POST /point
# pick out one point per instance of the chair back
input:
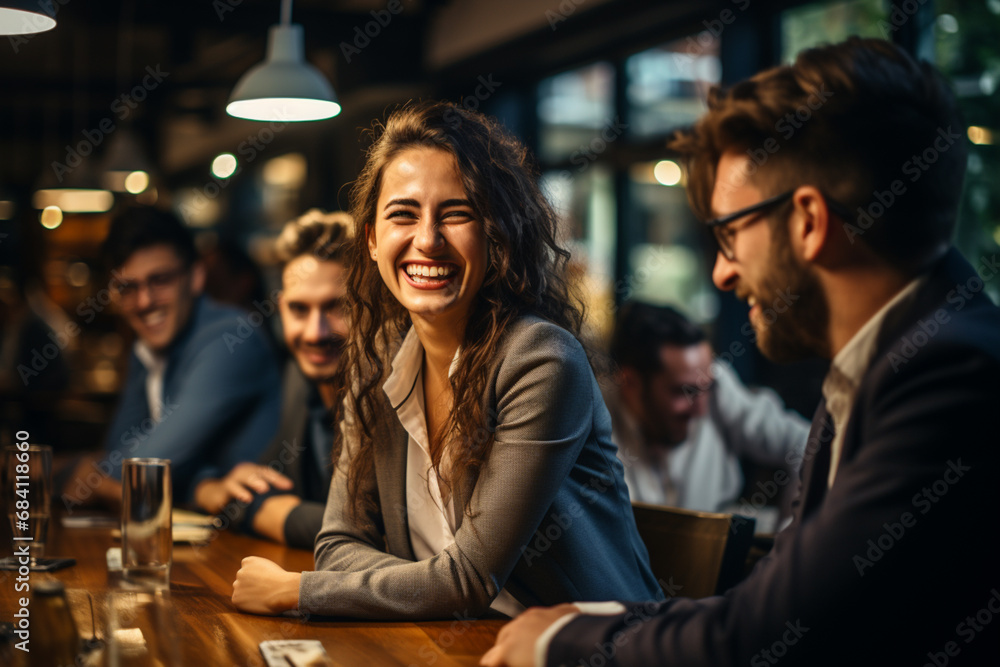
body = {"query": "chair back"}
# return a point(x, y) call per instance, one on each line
point(702, 552)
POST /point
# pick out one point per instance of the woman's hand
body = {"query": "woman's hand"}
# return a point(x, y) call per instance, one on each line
point(245, 479)
point(264, 587)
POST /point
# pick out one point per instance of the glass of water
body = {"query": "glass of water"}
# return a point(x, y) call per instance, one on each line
point(28, 495)
point(147, 542)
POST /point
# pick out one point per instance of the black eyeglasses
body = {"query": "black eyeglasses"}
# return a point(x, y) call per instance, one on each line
point(726, 237)
point(157, 284)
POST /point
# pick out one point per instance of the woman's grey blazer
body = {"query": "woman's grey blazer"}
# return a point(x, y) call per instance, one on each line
point(551, 515)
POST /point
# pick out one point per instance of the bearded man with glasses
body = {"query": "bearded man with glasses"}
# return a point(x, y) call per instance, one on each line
point(202, 388)
point(887, 560)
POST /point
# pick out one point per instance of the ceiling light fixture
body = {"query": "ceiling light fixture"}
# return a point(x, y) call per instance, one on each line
point(26, 17)
point(284, 87)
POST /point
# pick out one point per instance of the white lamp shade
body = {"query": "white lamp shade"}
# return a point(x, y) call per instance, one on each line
point(284, 87)
point(25, 17)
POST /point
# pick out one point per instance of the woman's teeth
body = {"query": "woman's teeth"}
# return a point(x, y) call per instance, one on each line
point(416, 271)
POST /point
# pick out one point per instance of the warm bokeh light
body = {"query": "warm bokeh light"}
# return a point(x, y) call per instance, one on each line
point(73, 200)
point(667, 172)
point(78, 274)
point(136, 182)
point(286, 170)
point(6, 210)
point(224, 165)
point(51, 217)
point(104, 377)
point(197, 208)
point(980, 135)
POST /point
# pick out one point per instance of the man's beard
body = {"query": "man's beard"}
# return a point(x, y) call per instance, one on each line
point(802, 330)
point(332, 345)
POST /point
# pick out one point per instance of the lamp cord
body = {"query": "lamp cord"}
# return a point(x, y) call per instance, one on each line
point(286, 12)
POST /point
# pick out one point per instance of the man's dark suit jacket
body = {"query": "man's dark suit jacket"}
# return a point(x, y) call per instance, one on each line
point(290, 453)
point(895, 564)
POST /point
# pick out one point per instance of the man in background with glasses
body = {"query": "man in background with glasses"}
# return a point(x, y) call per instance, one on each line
point(202, 387)
point(891, 558)
point(685, 424)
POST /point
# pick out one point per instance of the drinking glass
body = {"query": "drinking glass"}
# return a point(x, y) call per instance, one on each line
point(28, 494)
point(147, 543)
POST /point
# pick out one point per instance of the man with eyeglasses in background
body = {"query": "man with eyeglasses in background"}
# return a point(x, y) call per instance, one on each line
point(891, 558)
point(685, 424)
point(202, 387)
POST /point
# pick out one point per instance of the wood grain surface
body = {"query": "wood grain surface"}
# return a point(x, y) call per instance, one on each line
point(198, 625)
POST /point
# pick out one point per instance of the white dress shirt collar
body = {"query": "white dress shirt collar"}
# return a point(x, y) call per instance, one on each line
point(849, 366)
point(156, 367)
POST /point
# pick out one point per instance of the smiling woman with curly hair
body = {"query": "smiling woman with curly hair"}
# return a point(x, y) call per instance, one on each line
point(476, 468)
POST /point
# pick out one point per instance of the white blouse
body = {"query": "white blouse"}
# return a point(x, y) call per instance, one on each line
point(431, 521)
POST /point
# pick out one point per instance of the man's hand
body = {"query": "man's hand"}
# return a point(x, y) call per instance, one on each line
point(245, 479)
point(515, 645)
point(264, 587)
point(269, 520)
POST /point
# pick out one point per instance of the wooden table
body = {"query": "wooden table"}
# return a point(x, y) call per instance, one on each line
point(206, 629)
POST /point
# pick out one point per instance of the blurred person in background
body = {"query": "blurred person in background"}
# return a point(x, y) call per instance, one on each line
point(202, 387)
point(37, 345)
point(283, 495)
point(33, 339)
point(683, 421)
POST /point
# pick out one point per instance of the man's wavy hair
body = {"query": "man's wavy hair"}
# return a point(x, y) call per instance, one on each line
point(850, 119)
point(525, 274)
point(323, 235)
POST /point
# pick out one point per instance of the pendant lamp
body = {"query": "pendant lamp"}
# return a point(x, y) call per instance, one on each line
point(24, 17)
point(284, 87)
